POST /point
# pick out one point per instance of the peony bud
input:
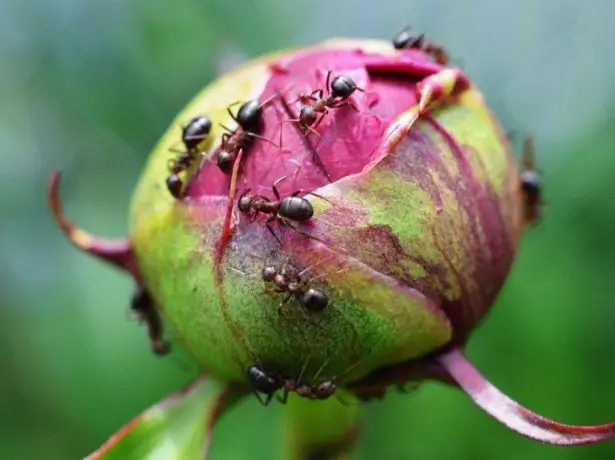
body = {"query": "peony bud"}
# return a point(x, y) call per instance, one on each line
point(341, 216)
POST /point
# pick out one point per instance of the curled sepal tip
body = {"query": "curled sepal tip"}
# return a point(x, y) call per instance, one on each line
point(179, 426)
point(117, 252)
point(513, 415)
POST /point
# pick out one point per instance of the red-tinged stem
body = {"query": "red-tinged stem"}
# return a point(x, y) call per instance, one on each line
point(514, 416)
point(117, 252)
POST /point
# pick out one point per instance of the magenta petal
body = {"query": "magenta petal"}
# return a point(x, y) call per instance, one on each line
point(514, 416)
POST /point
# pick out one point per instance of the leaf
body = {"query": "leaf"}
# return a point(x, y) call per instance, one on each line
point(515, 416)
point(178, 427)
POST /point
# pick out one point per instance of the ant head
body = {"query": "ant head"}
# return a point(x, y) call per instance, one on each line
point(406, 40)
point(196, 131)
point(315, 300)
point(308, 115)
point(174, 184)
point(530, 182)
point(325, 389)
point(280, 281)
point(244, 205)
point(225, 161)
point(294, 287)
point(400, 41)
point(249, 115)
point(161, 347)
point(261, 381)
point(287, 270)
point(343, 86)
point(269, 273)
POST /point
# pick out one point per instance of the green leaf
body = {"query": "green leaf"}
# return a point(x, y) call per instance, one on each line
point(178, 427)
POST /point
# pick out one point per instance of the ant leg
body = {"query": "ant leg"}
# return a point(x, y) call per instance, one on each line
point(274, 187)
point(230, 131)
point(284, 398)
point(288, 297)
point(260, 399)
point(306, 97)
point(307, 192)
point(176, 150)
point(263, 138)
point(244, 194)
point(268, 225)
point(271, 99)
point(345, 401)
point(293, 120)
point(228, 109)
point(307, 235)
point(315, 125)
point(340, 104)
point(327, 80)
point(312, 130)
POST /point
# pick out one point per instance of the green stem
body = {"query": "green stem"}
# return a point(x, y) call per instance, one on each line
point(321, 430)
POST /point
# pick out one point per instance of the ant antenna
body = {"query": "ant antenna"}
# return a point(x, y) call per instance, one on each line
point(303, 368)
point(322, 367)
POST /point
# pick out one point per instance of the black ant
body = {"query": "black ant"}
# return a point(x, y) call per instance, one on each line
point(531, 185)
point(288, 281)
point(249, 121)
point(316, 106)
point(193, 134)
point(406, 40)
point(292, 208)
point(262, 382)
point(142, 305)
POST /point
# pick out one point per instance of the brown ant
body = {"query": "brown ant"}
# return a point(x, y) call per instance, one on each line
point(249, 124)
point(142, 305)
point(316, 106)
point(530, 183)
point(268, 384)
point(286, 280)
point(193, 134)
point(406, 40)
point(289, 209)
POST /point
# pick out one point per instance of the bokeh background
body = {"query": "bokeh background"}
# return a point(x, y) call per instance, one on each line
point(88, 87)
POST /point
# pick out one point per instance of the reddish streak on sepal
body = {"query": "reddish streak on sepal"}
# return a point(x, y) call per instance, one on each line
point(514, 416)
point(227, 229)
point(117, 252)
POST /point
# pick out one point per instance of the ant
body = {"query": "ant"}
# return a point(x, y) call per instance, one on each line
point(193, 134)
point(142, 305)
point(249, 121)
point(286, 280)
point(261, 381)
point(406, 40)
point(530, 183)
point(291, 208)
point(322, 390)
point(316, 106)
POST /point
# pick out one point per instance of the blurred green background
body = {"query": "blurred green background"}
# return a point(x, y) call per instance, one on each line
point(88, 87)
